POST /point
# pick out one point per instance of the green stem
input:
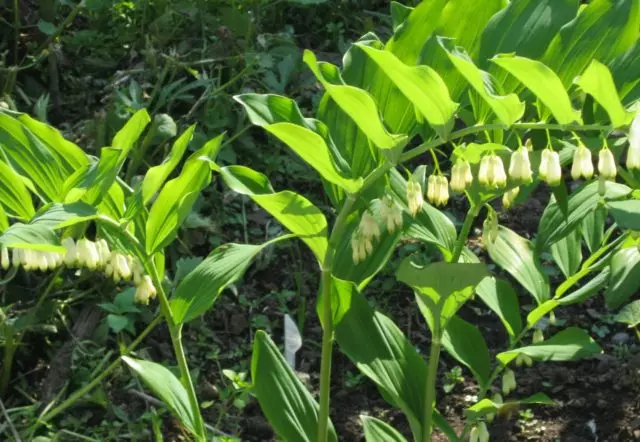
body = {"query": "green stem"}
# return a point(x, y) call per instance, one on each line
point(96, 381)
point(464, 232)
point(430, 388)
point(327, 317)
point(175, 332)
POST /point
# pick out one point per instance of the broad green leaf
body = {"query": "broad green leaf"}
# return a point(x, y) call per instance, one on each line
point(399, 13)
point(592, 227)
point(421, 85)
point(444, 287)
point(408, 40)
point(624, 280)
point(525, 27)
point(167, 387)
point(197, 292)
point(376, 430)
point(466, 344)
point(281, 117)
point(626, 73)
point(597, 81)
point(293, 211)
point(125, 138)
point(177, 197)
point(626, 213)
point(603, 30)
point(92, 183)
point(14, 195)
point(157, 175)
point(340, 300)
point(630, 314)
point(31, 236)
point(588, 290)
point(515, 255)
point(31, 157)
point(286, 403)
point(57, 216)
point(389, 360)
point(568, 345)
point(357, 103)
point(554, 226)
point(544, 84)
point(508, 109)
point(500, 297)
point(540, 311)
point(567, 253)
point(487, 406)
point(4, 221)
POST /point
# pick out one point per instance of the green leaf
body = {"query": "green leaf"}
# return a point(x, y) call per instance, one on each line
point(197, 292)
point(603, 30)
point(626, 73)
point(630, 314)
point(626, 213)
point(554, 225)
point(293, 211)
point(592, 227)
point(567, 253)
point(508, 109)
point(421, 85)
point(340, 300)
point(286, 403)
point(487, 406)
point(46, 27)
point(597, 81)
point(500, 297)
point(540, 311)
point(357, 103)
point(568, 345)
point(157, 175)
point(399, 14)
point(167, 387)
point(625, 277)
point(515, 255)
point(465, 343)
point(407, 41)
point(57, 216)
point(125, 138)
point(376, 430)
point(588, 290)
point(308, 138)
point(544, 83)
point(14, 195)
point(117, 323)
point(525, 27)
point(177, 197)
point(31, 236)
point(444, 287)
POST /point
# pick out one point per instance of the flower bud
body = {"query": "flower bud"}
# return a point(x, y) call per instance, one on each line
point(71, 256)
point(520, 166)
point(607, 164)
point(461, 176)
point(538, 336)
point(369, 226)
point(523, 359)
point(442, 191)
point(414, 197)
point(432, 185)
point(508, 381)
point(550, 170)
point(391, 214)
point(145, 290)
point(509, 197)
point(4, 258)
point(582, 163)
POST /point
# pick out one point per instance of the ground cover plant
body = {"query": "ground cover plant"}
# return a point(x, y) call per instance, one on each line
point(481, 106)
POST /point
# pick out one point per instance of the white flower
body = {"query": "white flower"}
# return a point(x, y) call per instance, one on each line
point(71, 256)
point(87, 253)
point(491, 173)
point(414, 197)
point(369, 226)
point(137, 270)
point(461, 176)
point(390, 214)
point(53, 259)
point(18, 257)
point(538, 336)
point(4, 258)
point(120, 268)
point(42, 261)
point(633, 155)
point(607, 164)
point(508, 381)
point(550, 170)
point(438, 190)
point(520, 166)
point(582, 163)
point(103, 252)
point(145, 290)
point(509, 197)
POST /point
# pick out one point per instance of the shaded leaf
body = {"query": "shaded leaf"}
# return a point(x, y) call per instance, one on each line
point(625, 276)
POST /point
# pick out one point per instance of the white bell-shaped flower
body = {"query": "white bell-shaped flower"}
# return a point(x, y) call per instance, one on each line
point(461, 176)
point(550, 169)
point(509, 197)
point(145, 290)
point(390, 214)
point(368, 226)
point(582, 166)
point(607, 164)
point(18, 257)
point(137, 271)
point(71, 255)
point(492, 173)
point(520, 166)
point(103, 252)
point(508, 381)
point(5, 261)
point(414, 197)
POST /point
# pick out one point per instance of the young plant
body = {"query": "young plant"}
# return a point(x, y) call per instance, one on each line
point(67, 213)
point(561, 85)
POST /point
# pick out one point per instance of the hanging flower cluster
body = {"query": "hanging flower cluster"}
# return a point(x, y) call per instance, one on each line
point(85, 254)
point(438, 190)
point(369, 230)
point(461, 176)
